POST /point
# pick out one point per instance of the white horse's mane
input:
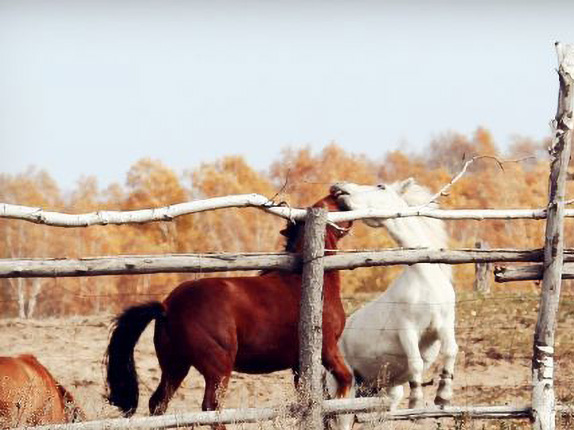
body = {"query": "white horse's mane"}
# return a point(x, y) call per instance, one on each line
point(415, 194)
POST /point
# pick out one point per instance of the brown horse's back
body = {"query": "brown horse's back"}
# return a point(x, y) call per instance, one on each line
point(242, 319)
point(238, 320)
point(29, 395)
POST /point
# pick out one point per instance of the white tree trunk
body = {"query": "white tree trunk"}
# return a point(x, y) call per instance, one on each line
point(34, 292)
point(21, 294)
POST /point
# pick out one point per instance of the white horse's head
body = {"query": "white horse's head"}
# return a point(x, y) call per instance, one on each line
point(381, 196)
point(418, 231)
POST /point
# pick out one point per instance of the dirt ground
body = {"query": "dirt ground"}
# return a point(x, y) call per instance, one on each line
point(493, 367)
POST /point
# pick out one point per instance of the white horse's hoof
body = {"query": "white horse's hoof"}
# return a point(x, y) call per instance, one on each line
point(441, 402)
point(416, 403)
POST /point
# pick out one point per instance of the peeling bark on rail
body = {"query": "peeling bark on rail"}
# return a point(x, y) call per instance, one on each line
point(144, 264)
point(470, 412)
point(414, 256)
point(168, 213)
point(207, 263)
point(528, 273)
point(362, 406)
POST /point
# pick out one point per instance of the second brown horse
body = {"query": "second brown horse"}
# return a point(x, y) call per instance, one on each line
point(217, 325)
point(30, 396)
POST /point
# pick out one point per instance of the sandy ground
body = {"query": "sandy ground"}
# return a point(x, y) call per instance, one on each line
point(73, 348)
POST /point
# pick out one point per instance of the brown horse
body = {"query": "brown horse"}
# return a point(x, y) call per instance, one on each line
point(29, 395)
point(217, 325)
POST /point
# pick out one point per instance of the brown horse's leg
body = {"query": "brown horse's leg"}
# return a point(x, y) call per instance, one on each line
point(171, 378)
point(215, 388)
point(296, 377)
point(334, 363)
point(215, 364)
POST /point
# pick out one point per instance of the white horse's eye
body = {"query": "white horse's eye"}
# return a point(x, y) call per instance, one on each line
point(381, 186)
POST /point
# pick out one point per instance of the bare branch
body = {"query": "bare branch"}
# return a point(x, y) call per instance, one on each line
point(456, 178)
point(281, 190)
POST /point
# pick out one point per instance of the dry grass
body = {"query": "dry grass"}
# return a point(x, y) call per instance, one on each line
point(494, 333)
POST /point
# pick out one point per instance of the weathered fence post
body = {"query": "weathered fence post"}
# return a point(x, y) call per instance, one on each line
point(543, 400)
point(311, 320)
point(481, 280)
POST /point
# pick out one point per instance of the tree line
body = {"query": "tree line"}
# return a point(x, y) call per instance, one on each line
point(299, 177)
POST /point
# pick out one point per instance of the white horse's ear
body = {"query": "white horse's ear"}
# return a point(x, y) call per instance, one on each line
point(406, 184)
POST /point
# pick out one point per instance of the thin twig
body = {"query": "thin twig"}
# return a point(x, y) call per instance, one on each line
point(443, 190)
point(281, 190)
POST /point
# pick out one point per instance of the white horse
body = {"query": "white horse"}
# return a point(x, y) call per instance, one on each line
point(396, 337)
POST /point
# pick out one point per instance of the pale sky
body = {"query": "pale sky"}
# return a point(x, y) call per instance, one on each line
point(90, 87)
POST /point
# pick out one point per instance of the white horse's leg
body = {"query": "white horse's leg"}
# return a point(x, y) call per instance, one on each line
point(339, 422)
point(395, 394)
point(410, 343)
point(449, 349)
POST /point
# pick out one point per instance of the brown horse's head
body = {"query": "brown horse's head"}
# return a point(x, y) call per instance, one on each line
point(335, 231)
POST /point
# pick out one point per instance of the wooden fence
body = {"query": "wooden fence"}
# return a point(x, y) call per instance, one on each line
point(543, 409)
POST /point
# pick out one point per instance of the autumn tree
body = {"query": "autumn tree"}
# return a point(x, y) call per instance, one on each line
point(34, 187)
point(232, 230)
point(306, 177)
point(297, 178)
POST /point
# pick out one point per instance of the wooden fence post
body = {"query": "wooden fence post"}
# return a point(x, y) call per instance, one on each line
point(311, 320)
point(543, 400)
point(482, 270)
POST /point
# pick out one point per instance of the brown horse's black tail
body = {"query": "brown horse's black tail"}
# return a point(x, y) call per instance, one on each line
point(121, 376)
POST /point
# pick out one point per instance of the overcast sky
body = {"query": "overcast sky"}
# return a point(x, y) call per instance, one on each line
point(89, 87)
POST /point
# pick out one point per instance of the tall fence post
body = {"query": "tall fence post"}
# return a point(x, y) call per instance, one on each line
point(311, 320)
point(543, 399)
point(482, 271)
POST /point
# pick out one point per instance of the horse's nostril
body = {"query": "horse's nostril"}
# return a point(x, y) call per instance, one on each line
point(337, 192)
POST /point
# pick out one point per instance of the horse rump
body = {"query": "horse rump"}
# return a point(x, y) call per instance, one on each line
point(30, 396)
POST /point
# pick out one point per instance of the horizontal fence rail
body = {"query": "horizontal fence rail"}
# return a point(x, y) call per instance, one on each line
point(198, 263)
point(362, 406)
point(168, 213)
point(165, 213)
point(143, 264)
point(529, 273)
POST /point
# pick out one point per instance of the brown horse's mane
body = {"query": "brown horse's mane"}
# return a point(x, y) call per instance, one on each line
point(292, 233)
